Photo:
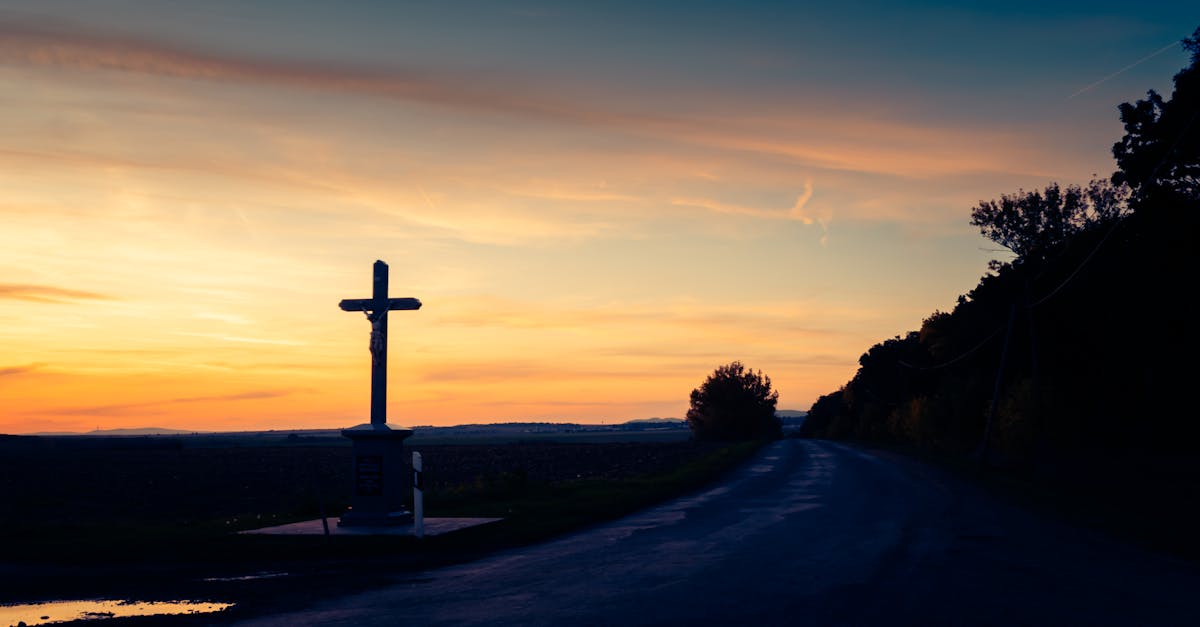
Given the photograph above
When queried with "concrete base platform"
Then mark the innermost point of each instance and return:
(433, 527)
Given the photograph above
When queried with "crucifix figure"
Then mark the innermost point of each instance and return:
(376, 309)
(378, 345)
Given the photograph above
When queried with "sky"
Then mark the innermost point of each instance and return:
(598, 203)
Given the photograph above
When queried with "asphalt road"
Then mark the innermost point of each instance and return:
(809, 533)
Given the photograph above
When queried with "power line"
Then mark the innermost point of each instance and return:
(956, 359)
(1047, 297)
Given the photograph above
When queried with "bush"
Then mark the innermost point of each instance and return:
(734, 403)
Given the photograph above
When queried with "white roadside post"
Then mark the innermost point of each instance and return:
(418, 497)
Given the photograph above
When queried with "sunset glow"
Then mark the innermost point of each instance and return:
(597, 206)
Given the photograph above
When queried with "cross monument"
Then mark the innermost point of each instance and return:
(376, 309)
(379, 465)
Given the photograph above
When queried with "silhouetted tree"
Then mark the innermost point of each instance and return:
(734, 403)
(1160, 152)
(824, 416)
(1032, 224)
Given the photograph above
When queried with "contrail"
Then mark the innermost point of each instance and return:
(1126, 68)
(426, 197)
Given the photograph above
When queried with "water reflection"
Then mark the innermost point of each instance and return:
(251, 577)
(94, 609)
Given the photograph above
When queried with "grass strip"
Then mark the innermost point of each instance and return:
(537, 512)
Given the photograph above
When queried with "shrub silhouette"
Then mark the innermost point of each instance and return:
(734, 403)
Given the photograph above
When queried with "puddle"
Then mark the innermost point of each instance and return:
(253, 577)
(98, 609)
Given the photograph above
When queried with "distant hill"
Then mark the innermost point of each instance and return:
(497, 428)
(518, 428)
(788, 416)
(642, 429)
(655, 420)
(792, 419)
(654, 423)
(124, 432)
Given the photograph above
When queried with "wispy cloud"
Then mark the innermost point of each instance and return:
(241, 340)
(59, 45)
(118, 409)
(799, 211)
(796, 212)
(718, 206)
(12, 371)
(793, 318)
(501, 370)
(827, 139)
(240, 396)
(611, 404)
(45, 293)
(227, 318)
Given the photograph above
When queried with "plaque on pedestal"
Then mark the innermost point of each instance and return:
(380, 470)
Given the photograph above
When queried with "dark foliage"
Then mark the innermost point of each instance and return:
(1034, 225)
(734, 403)
(1101, 341)
(825, 416)
(1159, 156)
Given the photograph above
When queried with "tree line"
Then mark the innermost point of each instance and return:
(1084, 340)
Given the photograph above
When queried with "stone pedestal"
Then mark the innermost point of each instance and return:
(380, 472)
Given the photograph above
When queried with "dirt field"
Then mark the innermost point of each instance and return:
(154, 517)
(77, 483)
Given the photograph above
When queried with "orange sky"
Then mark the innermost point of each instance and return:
(596, 210)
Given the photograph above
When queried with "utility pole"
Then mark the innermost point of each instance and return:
(987, 429)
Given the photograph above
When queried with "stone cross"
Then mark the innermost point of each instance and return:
(376, 309)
